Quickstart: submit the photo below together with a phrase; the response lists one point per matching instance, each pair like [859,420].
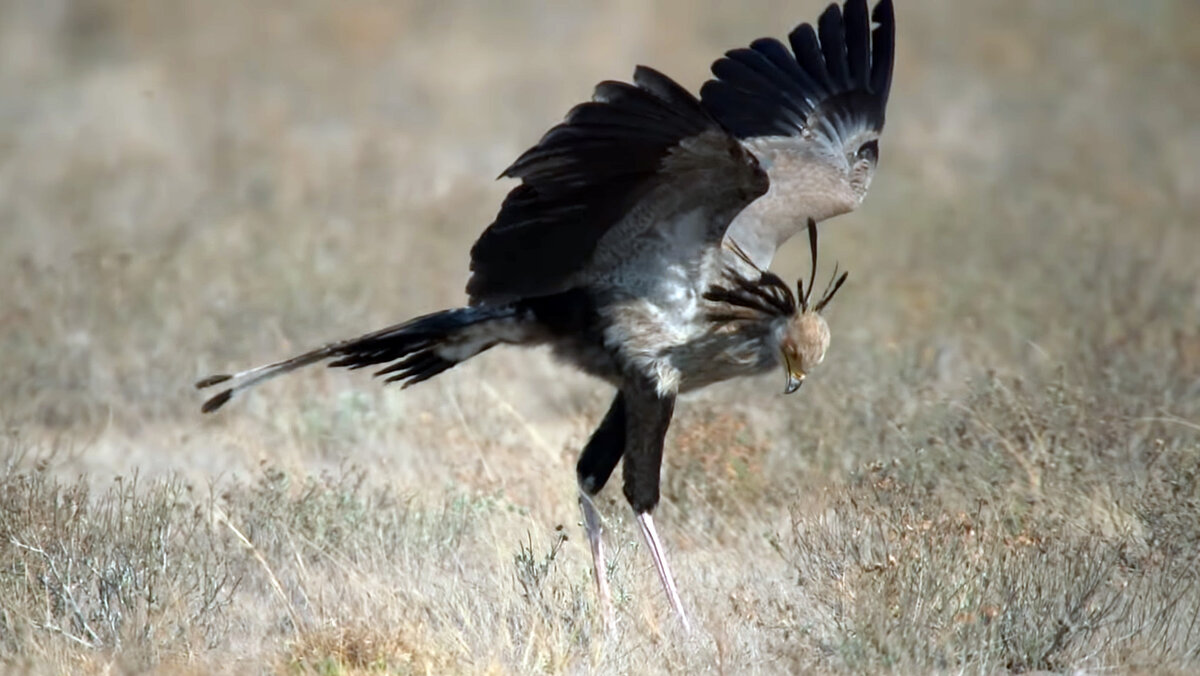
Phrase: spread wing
[648,149]
[813,113]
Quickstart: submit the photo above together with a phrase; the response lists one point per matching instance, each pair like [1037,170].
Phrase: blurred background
[193,187]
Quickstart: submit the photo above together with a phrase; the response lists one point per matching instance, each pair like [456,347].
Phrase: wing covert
[605,159]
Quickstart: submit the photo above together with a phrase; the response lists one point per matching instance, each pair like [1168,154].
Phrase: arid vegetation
[997,468]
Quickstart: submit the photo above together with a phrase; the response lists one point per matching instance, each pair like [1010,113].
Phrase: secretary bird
[637,242]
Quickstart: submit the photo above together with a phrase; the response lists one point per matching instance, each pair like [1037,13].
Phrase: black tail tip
[212,380]
[217,401]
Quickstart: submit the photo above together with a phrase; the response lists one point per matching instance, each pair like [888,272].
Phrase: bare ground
[997,468]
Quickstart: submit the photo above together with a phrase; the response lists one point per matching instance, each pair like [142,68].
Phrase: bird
[637,244]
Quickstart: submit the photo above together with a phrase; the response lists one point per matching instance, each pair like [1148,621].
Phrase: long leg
[595,466]
[591,521]
[599,458]
[660,564]
[648,414]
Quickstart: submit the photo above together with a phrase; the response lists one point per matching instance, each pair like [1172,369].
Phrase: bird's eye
[868,151]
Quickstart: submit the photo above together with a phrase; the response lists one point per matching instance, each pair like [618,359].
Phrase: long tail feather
[415,351]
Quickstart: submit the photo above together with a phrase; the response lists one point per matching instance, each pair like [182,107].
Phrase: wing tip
[883,48]
[884,13]
[846,59]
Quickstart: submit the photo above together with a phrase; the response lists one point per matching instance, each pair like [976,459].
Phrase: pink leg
[660,562]
[591,521]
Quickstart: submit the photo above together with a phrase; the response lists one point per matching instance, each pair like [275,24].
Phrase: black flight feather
[834,81]
[858,43]
[808,55]
[883,45]
[832,32]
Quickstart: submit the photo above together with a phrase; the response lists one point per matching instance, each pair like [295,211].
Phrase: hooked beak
[795,376]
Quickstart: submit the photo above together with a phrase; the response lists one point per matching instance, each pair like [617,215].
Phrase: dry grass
[996,469]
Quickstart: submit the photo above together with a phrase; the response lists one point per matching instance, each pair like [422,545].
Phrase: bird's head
[806,334]
[805,339]
[796,326]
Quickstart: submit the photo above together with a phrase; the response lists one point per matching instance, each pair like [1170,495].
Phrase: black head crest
[835,283]
[812,278]
[765,294]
